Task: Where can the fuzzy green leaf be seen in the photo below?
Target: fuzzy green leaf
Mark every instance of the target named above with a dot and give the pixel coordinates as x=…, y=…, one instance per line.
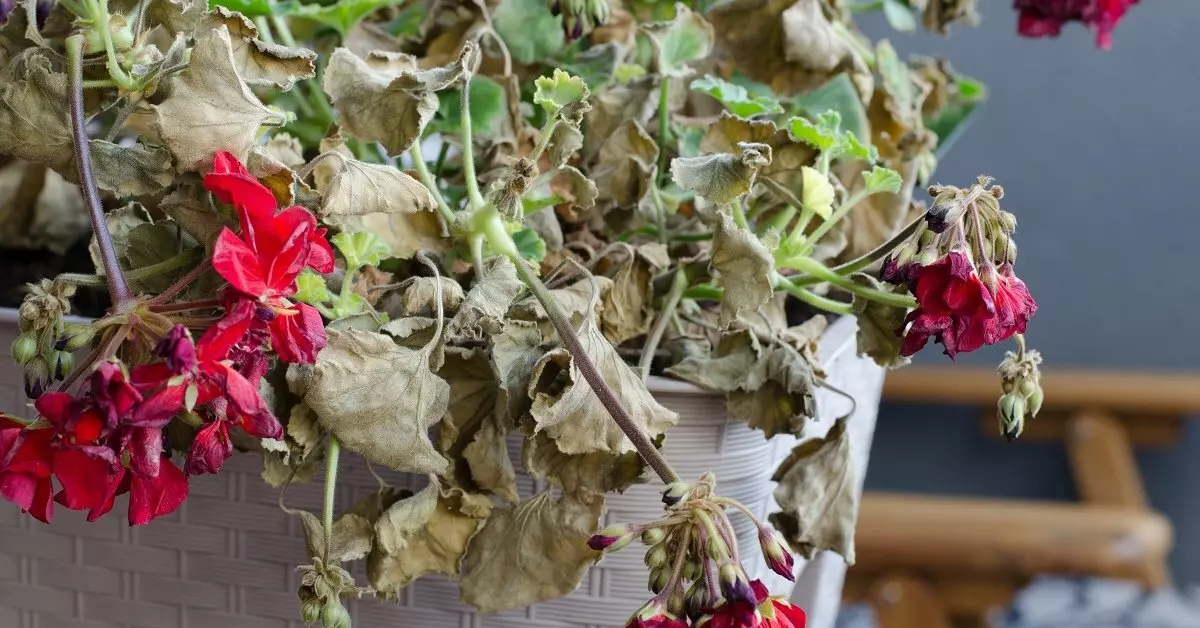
x=487, y=108
x=687, y=38
x=361, y=248
x=311, y=288
x=735, y=97
x=881, y=179
x=900, y=16
x=342, y=15
x=840, y=95
x=557, y=91
x=531, y=32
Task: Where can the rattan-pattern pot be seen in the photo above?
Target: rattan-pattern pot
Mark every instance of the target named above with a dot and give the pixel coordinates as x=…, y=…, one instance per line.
x=227, y=557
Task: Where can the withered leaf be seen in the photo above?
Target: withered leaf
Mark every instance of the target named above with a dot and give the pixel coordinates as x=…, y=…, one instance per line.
x=358, y=188
x=405, y=518
x=199, y=219
x=379, y=399
x=131, y=170
x=746, y=267
x=628, y=306
x=260, y=62
x=879, y=324
x=210, y=108
x=578, y=300
x=516, y=349
x=420, y=297
x=816, y=495
x=596, y=472
x=574, y=416
x=726, y=368
x=386, y=98
x=722, y=177
x=487, y=301
x=616, y=105
x=39, y=209
x=471, y=435
x=303, y=429
x=565, y=142
x=407, y=234
x=626, y=167
x=436, y=548
x=33, y=111
x=350, y=538
x=273, y=173
x=788, y=157
x=578, y=192
x=487, y=458
x=777, y=393
x=175, y=16
x=532, y=552
x=286, y=150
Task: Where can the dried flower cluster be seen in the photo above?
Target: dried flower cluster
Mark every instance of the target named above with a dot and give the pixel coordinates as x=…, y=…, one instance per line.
x=618, y=190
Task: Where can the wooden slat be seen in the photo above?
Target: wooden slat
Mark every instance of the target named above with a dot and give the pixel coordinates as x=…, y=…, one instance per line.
x=1171, y=393
x=905, y=602
x=952, y=535
x=1052, y=426
x=961, y=596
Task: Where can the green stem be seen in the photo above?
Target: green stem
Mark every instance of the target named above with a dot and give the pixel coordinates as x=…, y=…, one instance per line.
x=664, y=319
x=810, y=241
x=704, y=292
x=347, y=285
x=544, y=140
x=118, y=286
x=264, y=29
x=739, y=217
x=468, y=146
x=645, y=447
x=821, y=272
x=664, y=126
x=331, y=473
x=98, y=83
x=779, y=221
x=817, y=301
x=430, y=183
x=98, y=14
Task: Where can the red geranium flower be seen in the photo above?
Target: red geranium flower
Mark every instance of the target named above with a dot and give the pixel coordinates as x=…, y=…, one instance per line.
x=265, y=260
x=654, y=615
x=954, y=306
x=1045, y=18
x=739, y=610
x=25, y=466
x=1014, y=307
x=778, y=612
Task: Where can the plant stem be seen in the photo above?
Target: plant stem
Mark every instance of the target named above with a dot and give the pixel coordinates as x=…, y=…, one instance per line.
x=468, y=148
x=182, y=283
x=811, y=240
x=443, y=152
x=544, y=139
x=817, y=301
x=645, y=447
x=704, y=292
x=819, y=271
x=331, y=473
x=738, y=216
x=187, y=306
x=664, y=319
x=430, y=183
x=881, y=251
x=664, y=126
x=118, y=287
x=98, y=83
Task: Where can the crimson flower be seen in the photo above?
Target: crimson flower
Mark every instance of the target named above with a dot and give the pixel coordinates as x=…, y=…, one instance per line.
x=654, y=615
x=1045, y=18
x=25, y=465
x=954, y=306
x=739, y=610
x=1014, y=307
x=262, y=264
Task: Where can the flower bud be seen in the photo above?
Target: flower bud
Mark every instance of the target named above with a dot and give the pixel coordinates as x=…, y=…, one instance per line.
x=778, y=558
x=74, y=337
x=715, y=548
x=62, y=364
x=24, y=348
x=676, y=602
x=1034, y=401
x=659, y=578
x=736, y=586
x=653, y=536
x=37, y=376
x=310, y=611
x=656, y=556
x=1012, y=415
x=691, y=569
x=698, y=599
x=334, y=615
x=613, y=538
x=1008, y=221
x=676, y=492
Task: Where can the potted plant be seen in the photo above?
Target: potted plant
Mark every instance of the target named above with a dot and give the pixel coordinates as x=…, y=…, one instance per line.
x=460, y=228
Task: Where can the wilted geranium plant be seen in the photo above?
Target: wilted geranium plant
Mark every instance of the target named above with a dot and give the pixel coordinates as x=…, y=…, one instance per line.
x=617, y=191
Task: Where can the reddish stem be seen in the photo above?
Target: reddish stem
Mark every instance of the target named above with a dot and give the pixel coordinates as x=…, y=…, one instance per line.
x=180, y=285
x=185, y=306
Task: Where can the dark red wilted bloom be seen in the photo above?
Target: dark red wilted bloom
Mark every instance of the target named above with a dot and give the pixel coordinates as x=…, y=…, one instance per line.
x=1045, y=18
x=25, y=467
x=954, y=306
x=739, y=612
x=654, y=615
x=264, y=261
x=1014, y=307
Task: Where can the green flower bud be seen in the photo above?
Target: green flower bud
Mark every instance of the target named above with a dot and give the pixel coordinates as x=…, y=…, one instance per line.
x=1008, y=222
x=74, y=337
x=691, y=569
x=24, y=348
x=1012, y=415
x=656, y=556
x=310, y=611
x=659, y=578
x=1034, y=401
x=676, y=492
x=1026, y=387
x=62, y=364
x=37, y=377
x=334, y=615
x=653, y=536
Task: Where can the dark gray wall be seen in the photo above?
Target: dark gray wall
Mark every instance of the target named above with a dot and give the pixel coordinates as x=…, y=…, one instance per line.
x=1095, y=153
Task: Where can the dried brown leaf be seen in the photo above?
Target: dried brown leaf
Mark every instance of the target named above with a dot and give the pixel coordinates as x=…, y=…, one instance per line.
x=879, y=324
x=420, y=297
x=487, y=302
x=39, y=209
x=405, y=518
x=597, y=472
x=131, y=170
x=626, y=166
x=33, y=111
x=472, y=434
x=358, y=188
x=721, y=178
x=516, y=350
x=816, y=495
x=776, y=395
x=726, y=368
x=746, y=267
x=350, y=538
x=628, y=306
x=260, y=62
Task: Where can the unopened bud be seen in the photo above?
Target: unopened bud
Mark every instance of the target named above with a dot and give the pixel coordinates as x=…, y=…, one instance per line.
x=653, y=536
x=656, y=556
x=63, y=362
x=1008, y=221
x=37, y=376
x=691, y=569
x=736, y=586
x=778, y=558
x=612, y=538
x=334, y=615
x=676, y=492
x=24, y=348
x=698, y=599
x=676, y=602
x=1012, y=415
x=30, y=311
x=997, y=192
x=660, y=577
x=1034, y=401
x=310, y=612
x=74, y=337
x=715, y=548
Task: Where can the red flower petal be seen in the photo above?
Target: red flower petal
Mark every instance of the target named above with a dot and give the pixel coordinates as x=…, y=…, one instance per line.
x=242, y=395
x=158, y=410
x=28, y=493
x=145, y=451
x=216, y=343
x=55, y=407
x=320, y=257
x=299, y=337
x=238, y=264
x=234, y=185
x=153, y=497
x=210, y=449
x=85, y=479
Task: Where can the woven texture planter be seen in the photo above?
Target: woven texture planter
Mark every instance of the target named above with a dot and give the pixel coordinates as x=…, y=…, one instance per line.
x=227, y=557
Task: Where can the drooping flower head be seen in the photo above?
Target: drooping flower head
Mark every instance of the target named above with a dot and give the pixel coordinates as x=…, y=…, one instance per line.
x=1045, y=18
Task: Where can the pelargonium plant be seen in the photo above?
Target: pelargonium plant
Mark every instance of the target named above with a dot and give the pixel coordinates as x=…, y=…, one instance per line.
x=611, y=191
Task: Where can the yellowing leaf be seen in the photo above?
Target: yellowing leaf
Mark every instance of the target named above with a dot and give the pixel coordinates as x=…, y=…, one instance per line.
x=260, y=62
x=379, y=399
x=817, y=193
x=210, y=109
x=574, y=416
x=816, y=495
x=405, y=518
x=358, y=188
x=531, y=552
x=746, y=267
x=436, y=548
x=33, y=111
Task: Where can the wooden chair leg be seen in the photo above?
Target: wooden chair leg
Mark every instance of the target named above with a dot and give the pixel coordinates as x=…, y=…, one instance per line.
x=906, y=602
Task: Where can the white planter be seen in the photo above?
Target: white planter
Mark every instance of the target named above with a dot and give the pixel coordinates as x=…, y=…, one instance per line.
x=226, y=558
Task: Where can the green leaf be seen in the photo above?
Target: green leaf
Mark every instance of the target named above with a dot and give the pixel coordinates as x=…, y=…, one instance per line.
x=687, y=38
x=557, y=91
x=361, y=248
x=735, y=97
x=900, y=16
x=822, y=135
x=311, y=288
x=949, y=123
x=341, y=16
x=249, y=8
x=408, y=22
x=628, y=72
x=881, y=179
x=596, y=65
x=838, y=94
x=531, y=32
x=487, y=108
x=530, y=245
